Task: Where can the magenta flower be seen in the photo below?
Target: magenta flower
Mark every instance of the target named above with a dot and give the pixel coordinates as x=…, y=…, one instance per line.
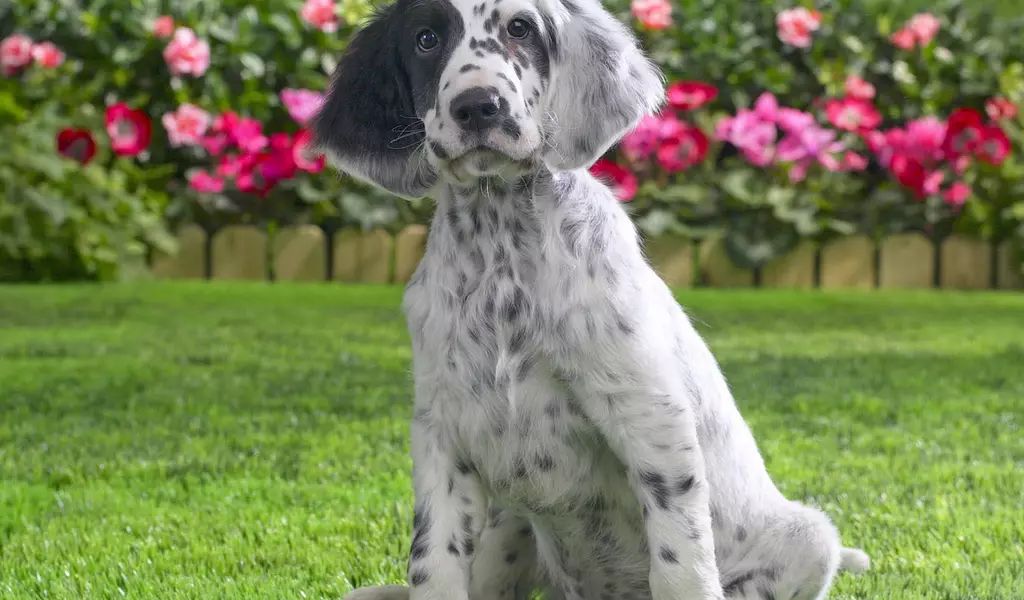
x=301, y=104
x=807, y=147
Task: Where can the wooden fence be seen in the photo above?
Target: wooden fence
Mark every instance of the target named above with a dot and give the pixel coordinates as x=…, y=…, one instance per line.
x=306, y=253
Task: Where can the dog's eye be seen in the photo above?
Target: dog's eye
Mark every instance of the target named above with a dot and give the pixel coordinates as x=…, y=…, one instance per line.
x=427, y=40
x=518, y=28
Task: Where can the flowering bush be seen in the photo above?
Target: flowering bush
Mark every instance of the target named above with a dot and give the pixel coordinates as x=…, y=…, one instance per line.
x=815, y=121
x=785, y=119
x=206, y=103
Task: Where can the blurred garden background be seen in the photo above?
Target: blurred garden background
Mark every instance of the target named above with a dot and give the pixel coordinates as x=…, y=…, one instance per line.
x=789, y=126
x=245, y=439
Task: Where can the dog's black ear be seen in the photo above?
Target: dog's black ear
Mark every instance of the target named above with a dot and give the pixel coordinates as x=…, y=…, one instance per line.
x=367, y=125
x=602, y=83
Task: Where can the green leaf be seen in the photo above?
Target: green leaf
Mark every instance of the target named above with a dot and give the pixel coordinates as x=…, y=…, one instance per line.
x=252, y=64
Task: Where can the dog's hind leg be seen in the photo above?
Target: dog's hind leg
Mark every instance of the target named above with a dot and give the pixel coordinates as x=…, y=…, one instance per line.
x=796, y=556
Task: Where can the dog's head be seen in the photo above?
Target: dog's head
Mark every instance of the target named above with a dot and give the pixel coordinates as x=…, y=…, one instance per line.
x=462, y=89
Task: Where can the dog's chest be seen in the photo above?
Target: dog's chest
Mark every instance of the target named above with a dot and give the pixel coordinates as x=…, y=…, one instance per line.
x=480, y=310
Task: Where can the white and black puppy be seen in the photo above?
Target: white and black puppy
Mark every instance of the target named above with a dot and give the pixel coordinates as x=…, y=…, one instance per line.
x=572, y=432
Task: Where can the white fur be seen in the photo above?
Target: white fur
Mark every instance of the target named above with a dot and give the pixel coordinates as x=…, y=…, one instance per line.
x=560, y=389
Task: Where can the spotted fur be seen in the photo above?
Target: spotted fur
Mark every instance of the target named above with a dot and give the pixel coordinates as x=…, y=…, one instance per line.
x=572, y=433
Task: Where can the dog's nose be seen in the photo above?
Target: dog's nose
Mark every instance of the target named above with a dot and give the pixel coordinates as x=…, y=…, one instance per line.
x=477, y=108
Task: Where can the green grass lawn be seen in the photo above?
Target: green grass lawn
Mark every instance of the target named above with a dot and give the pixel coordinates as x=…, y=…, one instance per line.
x=250, y=441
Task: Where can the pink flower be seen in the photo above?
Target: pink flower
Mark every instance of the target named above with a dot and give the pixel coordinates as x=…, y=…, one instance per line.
x=807, y=147
x=690, y=95
x=76, y=144
x=903, y=39
x=221, y=133
x=163, y=26
x=47, y=55
x=301, y=104
x=767, y=107
x=932, y=182
x=203, y=182
x=320, y=14
x=795, y=26
x=129, y=129
x=853, y=162
x=302, y=153
x=248, y=134
x=1000, y=109
x=186, y=126
x=643, y=140
x=622, y=182
x=957, y=194
x=859, y=89
x=15, y=53
x=689, y=148
x=924, y=26
x=752, y=135
x=851, y=114
x=186, y=54
x=924, y=137
x=791, y=119
x=652, y=14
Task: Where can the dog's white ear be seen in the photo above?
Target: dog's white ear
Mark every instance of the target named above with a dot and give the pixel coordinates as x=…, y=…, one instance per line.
x=367, y=125
x=602, y=83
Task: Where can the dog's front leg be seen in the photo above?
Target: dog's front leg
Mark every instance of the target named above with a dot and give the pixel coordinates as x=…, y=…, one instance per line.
x=633, y=390
x=655, y=437
x=449, y=517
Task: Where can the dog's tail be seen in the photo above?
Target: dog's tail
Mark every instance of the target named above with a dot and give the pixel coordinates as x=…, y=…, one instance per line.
x=854, y=560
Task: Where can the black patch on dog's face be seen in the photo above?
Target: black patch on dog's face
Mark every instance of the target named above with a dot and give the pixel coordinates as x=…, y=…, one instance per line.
x=424, y=68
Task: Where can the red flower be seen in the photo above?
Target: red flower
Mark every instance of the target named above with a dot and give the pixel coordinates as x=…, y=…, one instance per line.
x=904, y=39
x=1000, y=109
x=994, y=146
x=302, y=153
x=963, y=132
x=47, y=55
x=910, y=173
x=248, y=134
x=622, y=182
x=853, y=114
x=76, y=144
x=690, y=95
x=163, y=26
x=129, y=129
x=15, y=53
x=689, y=148
x=203, y=182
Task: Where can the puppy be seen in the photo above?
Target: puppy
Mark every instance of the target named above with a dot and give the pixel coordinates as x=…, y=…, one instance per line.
x=572, y=433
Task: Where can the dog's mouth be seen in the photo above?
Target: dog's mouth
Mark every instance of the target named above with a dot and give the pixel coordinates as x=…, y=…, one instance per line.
x=486, y=161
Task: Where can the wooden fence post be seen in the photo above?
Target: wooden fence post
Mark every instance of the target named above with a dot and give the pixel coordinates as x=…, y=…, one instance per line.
x=848, y=262
x=718, y=270
x=1008, y=274
x=300, y=254
x=240, y=252
x=672, y=258
x=189, y=262
x=792, y=270
x=908, y=261
x=410, y=246
x=966, y=263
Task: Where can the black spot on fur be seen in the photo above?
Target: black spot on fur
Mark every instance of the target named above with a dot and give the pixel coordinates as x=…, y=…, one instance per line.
x=741, y=533
x=668, y=555
x=512, y=557
x=655, y=483
x=438, y=150
x=462, y=467
x=544, y=462
x=466, y=68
